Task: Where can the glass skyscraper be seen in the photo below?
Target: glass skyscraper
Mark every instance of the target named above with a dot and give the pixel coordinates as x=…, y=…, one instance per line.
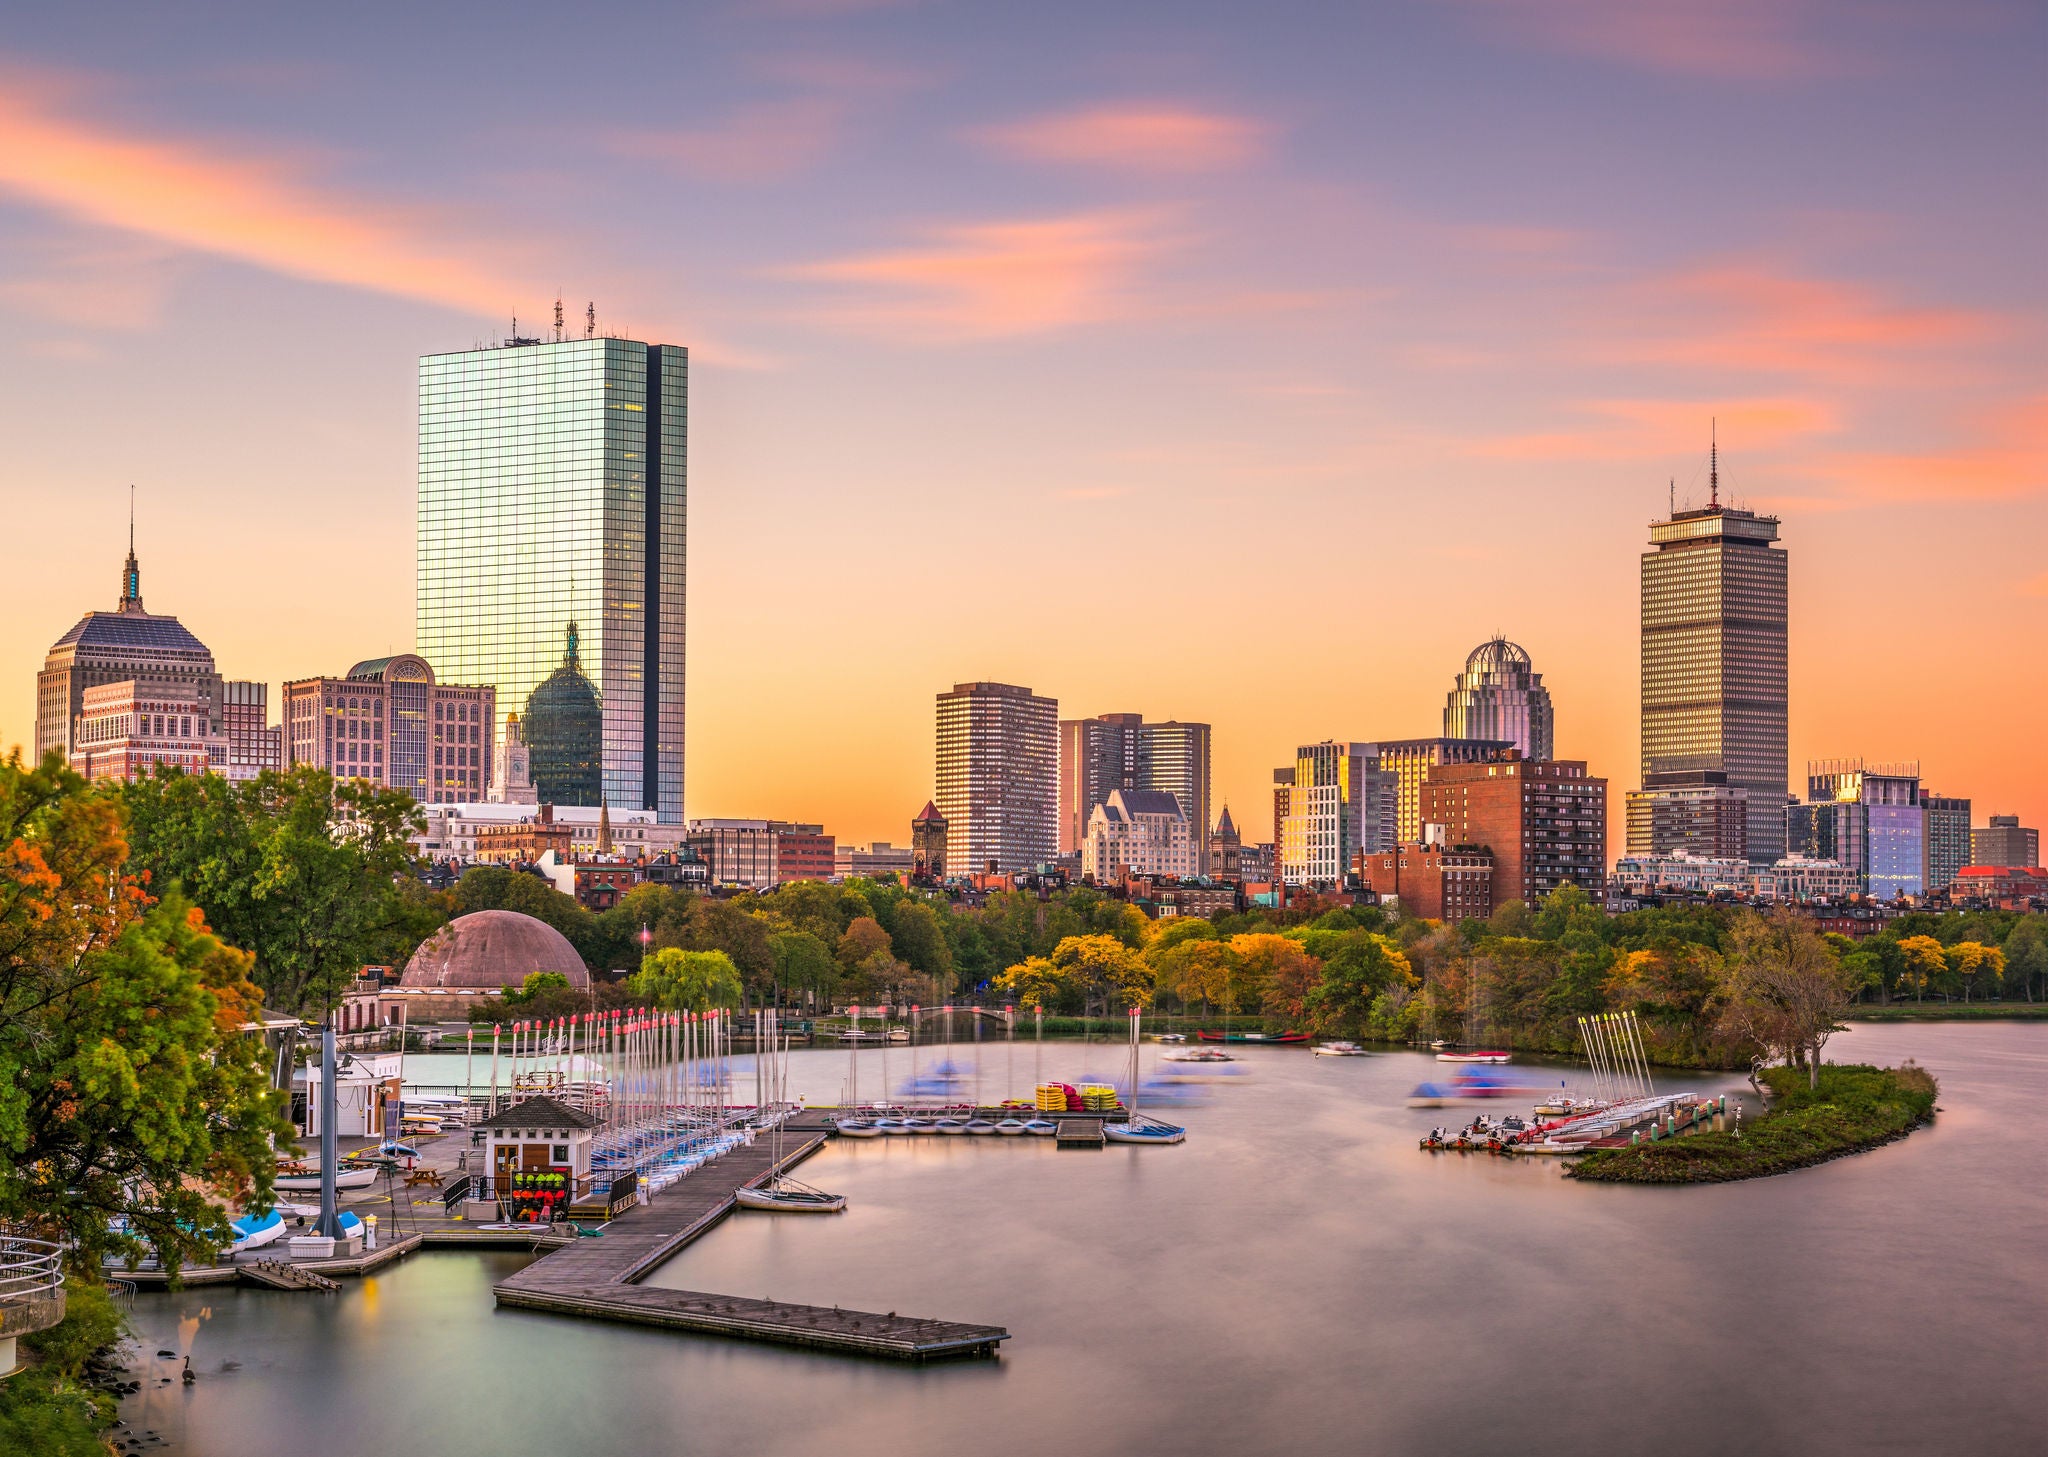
x=552, y=491
x=1714, y=682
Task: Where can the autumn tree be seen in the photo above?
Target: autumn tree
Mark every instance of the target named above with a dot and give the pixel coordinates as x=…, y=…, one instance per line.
x=1786, y=988
x=129, y=1088
x=1109, y=974
x=1923, y=962
x=1036, y=983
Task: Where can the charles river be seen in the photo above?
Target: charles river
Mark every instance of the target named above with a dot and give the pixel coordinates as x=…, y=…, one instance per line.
x=1296, y=1278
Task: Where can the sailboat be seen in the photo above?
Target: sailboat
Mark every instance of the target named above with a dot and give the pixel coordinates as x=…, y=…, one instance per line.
x=1133, y=1130
x=777, y=1192
x=855, y=1126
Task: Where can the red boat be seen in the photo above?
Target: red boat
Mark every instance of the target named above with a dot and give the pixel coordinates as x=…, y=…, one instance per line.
x=1252, y=1036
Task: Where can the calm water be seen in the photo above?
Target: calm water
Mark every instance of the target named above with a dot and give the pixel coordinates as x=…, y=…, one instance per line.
x=1296, y=1278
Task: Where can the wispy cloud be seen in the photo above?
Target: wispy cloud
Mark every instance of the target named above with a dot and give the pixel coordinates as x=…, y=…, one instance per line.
x=90, y=278
x=765, y=142
x=984, y=280
x=261, y=209
x=1723, y=40
x=2007, y=460
x=1134, y=138
x=1757, y=319
x=1649, y=429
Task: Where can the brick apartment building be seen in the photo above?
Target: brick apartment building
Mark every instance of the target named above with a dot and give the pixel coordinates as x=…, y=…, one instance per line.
x=1435, y=882
x=1544, y=820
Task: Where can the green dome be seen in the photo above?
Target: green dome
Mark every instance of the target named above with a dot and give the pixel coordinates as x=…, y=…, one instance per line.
x=564, y=730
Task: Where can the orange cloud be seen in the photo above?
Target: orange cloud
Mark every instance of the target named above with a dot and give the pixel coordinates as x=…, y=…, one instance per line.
x=754, y=144
x=1133, y=138
x=2009, y=463
x=257, y=210
x=984, y=280
x=1749, y=318
x=1637, y=429
x=1728, y=39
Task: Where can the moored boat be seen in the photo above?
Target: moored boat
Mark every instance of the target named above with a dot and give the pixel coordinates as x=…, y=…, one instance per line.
x=1010, y=1127
x=253, y=1231
x=308, y=1180
x=1143, y=1130
x=955, y=1126
x=979, y=1127
x=1483, y=1055
x=1198, y=1054
x=1207, y=1035
x=919, y=1125
x=857, y=1128
x=1339, y=1049
x=787, y=1196
x=1042, y=1127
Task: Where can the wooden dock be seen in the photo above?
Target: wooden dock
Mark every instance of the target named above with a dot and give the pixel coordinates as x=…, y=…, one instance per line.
x=1081, y=1133
x=278, y=1275
x=597, y=1277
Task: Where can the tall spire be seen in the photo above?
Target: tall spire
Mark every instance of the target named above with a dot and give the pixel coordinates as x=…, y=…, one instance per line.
x=1714, y=461
x=131, y=574
x=569, y=657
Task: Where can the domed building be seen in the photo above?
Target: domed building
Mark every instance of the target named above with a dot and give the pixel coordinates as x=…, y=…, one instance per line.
x=564, y=733
x=489, y=951
x=1498, y=696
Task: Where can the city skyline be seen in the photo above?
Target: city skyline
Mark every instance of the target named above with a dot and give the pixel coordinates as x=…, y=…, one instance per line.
x=1194, y=299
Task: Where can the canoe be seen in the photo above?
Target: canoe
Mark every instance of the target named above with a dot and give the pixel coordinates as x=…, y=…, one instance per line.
x=1285, y=1037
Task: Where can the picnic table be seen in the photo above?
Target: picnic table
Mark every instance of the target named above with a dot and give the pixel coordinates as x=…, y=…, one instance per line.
x=417, y=1177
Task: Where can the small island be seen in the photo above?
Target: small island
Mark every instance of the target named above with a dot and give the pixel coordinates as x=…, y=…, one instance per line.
x=1846, y=1109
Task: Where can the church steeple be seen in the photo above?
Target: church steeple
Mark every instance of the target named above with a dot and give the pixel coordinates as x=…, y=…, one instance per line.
x=131, y=574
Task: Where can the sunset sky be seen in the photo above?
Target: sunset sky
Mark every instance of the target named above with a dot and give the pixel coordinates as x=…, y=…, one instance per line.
x=1245, y=363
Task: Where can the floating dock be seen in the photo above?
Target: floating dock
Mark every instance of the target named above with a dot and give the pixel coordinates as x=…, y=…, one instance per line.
x=598, y=1277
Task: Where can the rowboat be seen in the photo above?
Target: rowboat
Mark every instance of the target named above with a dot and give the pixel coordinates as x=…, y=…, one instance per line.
x=1482, y=1056
x=1010, y=1127
x=1042, y=1127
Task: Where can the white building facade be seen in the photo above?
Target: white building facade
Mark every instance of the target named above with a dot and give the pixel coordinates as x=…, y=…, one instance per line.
x=1143, y=831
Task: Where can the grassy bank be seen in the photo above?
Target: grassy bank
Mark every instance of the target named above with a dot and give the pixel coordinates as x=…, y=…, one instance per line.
x=1854, y=1108
x=1949, y=1012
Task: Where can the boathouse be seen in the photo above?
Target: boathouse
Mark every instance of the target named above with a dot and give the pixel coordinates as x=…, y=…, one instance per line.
x=537, y=1158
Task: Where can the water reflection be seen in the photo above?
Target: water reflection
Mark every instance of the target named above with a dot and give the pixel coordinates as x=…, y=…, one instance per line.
x=1297, y=1277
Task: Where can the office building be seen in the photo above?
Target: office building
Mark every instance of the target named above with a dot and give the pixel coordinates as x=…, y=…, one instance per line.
x=1335, y=803
x=1141, y=832
x=126, y=729
x=928, y=843
x=1868, y=817
x=254, y=744
x=156, y=653
x=1545, y=822
x=998, y=777
x=1694, y=812
x=1122, y=751
x=494, y=832
x=552, y=492
x=1713, y=660
x=1412, y=759
x=803, y=852
x=1947, y=841
x=1499, y=697
x=391, y=722
x=2004, y=841
x=873, y=862
x=1448, y=883
x=740, y=853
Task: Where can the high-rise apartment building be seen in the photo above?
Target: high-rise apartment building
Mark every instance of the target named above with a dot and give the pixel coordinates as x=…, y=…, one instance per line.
x=1948, y=839
x=125, y=645
x=390, y=722
x=254, y=744
x=998, y=777
x=2005, y=841
x=551, y=492
x=1713, y=660
x=1412, y=759
x=1501, y=697
x=1545, y=822
x=1121, y=751
x=1693, y=813
x=1335, y=803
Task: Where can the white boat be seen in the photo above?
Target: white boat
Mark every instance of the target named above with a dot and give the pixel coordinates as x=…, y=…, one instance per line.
x=253, y=1231
x=1010, y=1127
x=857, y=1128
x=1173, y=1037
x=1042, y=1127
x=890, y=1125
x=979, y=1127
x=1339, y=1049
x=1135, y=1129
x=951, y=1125
x=1198, y=1054
x=787, y=1196
x=919, y=1125
x=343, y=1179
x=1481, y=1056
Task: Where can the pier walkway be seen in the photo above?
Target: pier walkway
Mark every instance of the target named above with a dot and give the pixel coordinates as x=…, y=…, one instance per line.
x=596, y=1277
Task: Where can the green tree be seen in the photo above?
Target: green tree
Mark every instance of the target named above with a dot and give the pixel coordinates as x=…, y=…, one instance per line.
x=917, y=936
x=803, y=964
x=675, y=980
x=2026, y=955
x=538, y=984
x=293, y=867
x=129, y=1088
x=863, y=937
x=1357, y=973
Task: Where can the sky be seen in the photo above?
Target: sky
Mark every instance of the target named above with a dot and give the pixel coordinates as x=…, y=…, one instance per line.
x=1246, y=364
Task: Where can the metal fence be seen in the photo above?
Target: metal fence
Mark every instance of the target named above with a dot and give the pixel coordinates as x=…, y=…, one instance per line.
x=31, y=1285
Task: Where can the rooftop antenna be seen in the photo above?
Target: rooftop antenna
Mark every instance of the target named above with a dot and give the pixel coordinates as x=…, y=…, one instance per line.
x=558, y=318
x=131, y=518
x=590, y=320
x=1674, y=495
x=1714, y=461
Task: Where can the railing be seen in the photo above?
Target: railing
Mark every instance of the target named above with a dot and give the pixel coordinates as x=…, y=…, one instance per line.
x=31, y=1285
